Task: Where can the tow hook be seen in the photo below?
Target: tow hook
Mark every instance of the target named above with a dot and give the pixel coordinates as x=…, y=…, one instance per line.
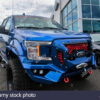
x=66, y=80
x=90, y=72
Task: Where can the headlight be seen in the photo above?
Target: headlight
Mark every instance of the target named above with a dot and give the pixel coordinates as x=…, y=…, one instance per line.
x=33, y=50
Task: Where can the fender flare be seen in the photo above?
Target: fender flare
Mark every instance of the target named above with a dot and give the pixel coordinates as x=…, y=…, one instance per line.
x=12, y=49
x=15, y=47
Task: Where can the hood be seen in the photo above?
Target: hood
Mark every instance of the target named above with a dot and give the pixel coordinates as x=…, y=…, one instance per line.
x=47, y=35
x=95, y=37
x=96, y=46
x=96, y=41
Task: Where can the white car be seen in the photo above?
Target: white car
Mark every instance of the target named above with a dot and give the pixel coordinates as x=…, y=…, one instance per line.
x=96, y=47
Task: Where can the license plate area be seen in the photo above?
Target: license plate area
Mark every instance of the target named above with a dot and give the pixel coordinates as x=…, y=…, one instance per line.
x=84, y=73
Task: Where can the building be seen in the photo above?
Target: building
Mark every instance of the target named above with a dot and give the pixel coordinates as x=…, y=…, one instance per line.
x=78, y=15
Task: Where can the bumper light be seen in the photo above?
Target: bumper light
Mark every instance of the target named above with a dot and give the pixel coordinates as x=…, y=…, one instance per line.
x=40, y=72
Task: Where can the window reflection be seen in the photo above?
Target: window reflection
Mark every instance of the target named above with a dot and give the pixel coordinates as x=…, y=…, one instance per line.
x=75, y=26
x=87, y=26
x=65, y=21
x=69, y=7
x=65, y=12
x=86, y=11
x=70, y=15
x=94, y=2
x=74, y=14
x=96, y=26
x=69, y=18
x=74, y=3
x=70, y=28
x=95, y=11
x=85, y=1
x=91, y=11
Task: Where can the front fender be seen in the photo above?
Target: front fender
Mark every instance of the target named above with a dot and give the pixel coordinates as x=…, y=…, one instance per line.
x=15, y=47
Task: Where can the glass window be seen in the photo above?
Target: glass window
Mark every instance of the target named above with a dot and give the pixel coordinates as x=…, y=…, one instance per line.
x=70, y=18
x=95, y=2
x=31, y=22
x=61, y=18
x=75, y=26
x=75, y=14
x=70, y=28
x=74, y=3
x=65, y=12
x=4, y=22
x=85, y=1
x=8, y=24
x=65, y=21
x=96, y=25
x=87, y=26
x=69, y=7
x=95, y=11
x=86, y=11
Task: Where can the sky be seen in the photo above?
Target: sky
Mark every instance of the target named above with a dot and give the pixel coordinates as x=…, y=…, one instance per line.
x=29, y=7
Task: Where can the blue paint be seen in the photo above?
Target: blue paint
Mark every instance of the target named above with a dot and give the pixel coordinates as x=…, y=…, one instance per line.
x=15, y=43
x=53, y=76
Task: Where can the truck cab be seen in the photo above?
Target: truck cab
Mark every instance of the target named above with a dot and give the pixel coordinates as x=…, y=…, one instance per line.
x=38, y=49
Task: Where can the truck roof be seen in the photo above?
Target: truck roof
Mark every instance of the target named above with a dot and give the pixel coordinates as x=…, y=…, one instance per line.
x=29, y=16
x=26, y=16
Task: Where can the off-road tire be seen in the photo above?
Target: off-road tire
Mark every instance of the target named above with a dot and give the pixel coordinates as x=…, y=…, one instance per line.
x=17, y=79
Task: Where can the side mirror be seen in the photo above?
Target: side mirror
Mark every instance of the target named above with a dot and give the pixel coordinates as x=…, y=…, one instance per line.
x=2, y=30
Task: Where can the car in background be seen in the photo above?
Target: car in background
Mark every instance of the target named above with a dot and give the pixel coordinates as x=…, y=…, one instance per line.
x=96, y=47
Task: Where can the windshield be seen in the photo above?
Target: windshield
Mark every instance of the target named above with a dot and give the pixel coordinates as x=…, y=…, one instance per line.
x=36, y=23
x=95, y=37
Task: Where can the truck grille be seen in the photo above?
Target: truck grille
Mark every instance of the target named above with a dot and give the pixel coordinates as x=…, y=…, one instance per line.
x=77, y=47
x=74, y=51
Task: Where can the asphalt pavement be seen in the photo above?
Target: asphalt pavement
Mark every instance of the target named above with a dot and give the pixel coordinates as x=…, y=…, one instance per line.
x=92, y=83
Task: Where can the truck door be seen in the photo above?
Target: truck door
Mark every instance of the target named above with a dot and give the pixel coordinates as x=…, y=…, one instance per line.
x=7, y=24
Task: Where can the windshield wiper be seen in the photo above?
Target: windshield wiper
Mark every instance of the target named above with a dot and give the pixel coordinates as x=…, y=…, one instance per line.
x=39, y=27
x=51, y=28
x=28, y=27
x=55, y=28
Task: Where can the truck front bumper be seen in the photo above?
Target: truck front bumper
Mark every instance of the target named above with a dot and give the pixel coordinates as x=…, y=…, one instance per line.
x=54, y=73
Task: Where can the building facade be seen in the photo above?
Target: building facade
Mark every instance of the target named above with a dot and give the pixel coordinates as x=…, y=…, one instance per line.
x=78, y=15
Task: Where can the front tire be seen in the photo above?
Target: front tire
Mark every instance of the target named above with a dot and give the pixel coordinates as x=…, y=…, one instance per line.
x=17, y=79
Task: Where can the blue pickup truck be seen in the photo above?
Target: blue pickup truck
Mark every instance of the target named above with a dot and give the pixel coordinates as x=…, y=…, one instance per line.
x=39, y=50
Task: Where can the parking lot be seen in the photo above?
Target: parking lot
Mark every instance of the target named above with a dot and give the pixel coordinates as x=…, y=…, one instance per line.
x=92, y=83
